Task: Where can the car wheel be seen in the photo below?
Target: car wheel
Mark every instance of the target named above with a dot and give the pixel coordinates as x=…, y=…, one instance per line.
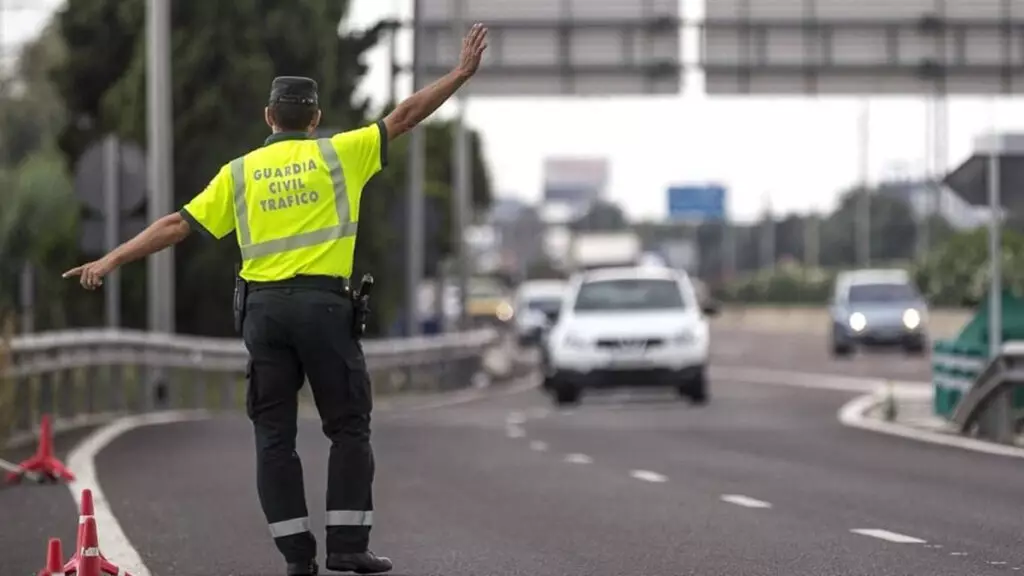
x=567, y=395
x=915, y=349
x=840, y=350
x=695, y=389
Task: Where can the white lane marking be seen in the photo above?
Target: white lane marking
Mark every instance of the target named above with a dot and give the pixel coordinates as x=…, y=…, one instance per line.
x=648, y=476
x=958, y=553
x=578, y=459
x=888, y=536
x=514, y=432
x=995, y=563
x=515, y=418
x=538, y=446
x=567, y=412
x=745, y=501
x=855, y=415
x=82, y=461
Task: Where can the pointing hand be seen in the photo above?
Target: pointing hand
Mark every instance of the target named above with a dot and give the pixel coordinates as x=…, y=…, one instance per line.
x=91, y=274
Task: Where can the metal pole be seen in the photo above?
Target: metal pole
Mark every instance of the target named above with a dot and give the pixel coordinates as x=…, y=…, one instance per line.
x=768, y=235
x=112, y=220
x=414, y=198
x=160, y=267
x=463, y=183
x=995, y=309
x=864, y=201
x=931, y=178
x=28, y=298
x=461, y=206
x=941, y=152
x=811, y=240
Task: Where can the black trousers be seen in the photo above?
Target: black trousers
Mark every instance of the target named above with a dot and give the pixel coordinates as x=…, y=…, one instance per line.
x=294, y=334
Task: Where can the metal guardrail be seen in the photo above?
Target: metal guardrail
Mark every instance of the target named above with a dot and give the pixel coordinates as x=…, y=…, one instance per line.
x=89, y=374
x=987, y=407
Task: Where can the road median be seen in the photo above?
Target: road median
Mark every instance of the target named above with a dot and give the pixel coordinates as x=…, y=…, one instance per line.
x=814, y=320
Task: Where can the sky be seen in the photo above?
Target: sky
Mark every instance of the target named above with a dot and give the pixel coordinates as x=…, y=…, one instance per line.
x=795, y=155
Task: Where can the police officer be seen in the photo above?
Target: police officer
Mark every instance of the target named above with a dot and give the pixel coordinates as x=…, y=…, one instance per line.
x=294, y=207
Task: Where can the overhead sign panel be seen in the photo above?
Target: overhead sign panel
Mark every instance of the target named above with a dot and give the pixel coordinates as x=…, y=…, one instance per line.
x=847, y=47
x=696, y=203
x=575, y=181
x=561, y=47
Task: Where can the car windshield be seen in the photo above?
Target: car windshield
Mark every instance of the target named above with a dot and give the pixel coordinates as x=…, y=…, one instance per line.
x=545, y=305
x=483, y=290
x=880, y=293
x=639, y=294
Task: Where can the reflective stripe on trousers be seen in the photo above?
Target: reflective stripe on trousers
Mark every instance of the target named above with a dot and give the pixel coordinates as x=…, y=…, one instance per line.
x=289, y=527
x=345, y=228
x=350, y=517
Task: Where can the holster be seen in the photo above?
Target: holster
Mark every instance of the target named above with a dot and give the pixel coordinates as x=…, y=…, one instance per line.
x=238, y=301
x=360, y=313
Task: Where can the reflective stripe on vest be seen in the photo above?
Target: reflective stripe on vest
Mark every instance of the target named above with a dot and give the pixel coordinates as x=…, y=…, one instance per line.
x=345, y=228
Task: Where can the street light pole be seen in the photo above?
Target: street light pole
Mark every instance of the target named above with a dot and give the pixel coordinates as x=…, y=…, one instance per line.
x=160, y=266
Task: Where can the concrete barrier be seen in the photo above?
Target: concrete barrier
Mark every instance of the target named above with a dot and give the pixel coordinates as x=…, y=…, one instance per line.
x=815, y=320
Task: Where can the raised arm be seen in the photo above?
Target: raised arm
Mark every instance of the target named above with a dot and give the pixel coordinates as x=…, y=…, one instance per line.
x=423, y=103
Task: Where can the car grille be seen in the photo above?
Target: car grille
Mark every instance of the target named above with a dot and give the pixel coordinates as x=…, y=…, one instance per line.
x=618, y=343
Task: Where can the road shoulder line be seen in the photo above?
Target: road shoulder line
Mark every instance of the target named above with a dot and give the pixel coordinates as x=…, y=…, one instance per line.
x=82, y=460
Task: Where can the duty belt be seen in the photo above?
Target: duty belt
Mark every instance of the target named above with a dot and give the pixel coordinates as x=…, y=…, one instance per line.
x=329, y=283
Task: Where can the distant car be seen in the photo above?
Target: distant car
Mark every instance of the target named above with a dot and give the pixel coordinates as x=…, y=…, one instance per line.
x=877, y=308
x=536, y=307
x=628, y=327
x=488, y=302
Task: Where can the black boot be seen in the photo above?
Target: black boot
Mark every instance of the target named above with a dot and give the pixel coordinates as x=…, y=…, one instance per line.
x=303, y=568
x=359, y=562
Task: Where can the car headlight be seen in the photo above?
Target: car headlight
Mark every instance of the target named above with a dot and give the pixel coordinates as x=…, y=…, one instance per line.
x=504, y=312
x=911, y=318
x=858, y=321
x=574, y=341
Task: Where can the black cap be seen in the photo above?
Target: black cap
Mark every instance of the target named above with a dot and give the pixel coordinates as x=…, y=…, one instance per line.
x=294, y=90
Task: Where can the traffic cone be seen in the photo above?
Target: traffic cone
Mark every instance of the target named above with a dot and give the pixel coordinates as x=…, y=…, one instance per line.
x=43, y=464
x=54, y=559
x=90, y=563
x=75, y=564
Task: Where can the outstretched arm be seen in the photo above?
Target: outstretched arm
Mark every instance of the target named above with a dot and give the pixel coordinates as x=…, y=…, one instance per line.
x=165, y=232
x=424, y=102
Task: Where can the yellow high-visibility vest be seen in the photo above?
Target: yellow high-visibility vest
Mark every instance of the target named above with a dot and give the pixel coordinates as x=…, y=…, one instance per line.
x=294, y=203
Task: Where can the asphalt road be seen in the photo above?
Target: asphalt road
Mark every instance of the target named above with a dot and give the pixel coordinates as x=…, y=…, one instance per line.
x=762, y=481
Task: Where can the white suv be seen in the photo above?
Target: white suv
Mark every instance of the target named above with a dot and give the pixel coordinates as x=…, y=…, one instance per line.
x=628, y=327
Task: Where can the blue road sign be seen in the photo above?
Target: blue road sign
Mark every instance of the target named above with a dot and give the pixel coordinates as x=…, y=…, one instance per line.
x=700, y=203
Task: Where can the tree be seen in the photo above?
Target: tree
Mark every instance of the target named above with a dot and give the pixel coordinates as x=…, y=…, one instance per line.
x=224, y=57
x=38, y=222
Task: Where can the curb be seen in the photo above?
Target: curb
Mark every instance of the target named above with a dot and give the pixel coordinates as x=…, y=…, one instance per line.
x=856, y=414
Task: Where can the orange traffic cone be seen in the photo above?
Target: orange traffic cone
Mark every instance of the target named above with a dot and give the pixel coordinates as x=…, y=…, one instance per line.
x=43, y=465
x=54, y=559
x=75, y=564
x=89, y=561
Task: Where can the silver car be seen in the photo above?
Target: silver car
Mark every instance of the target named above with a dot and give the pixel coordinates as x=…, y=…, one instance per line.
x=877, y=308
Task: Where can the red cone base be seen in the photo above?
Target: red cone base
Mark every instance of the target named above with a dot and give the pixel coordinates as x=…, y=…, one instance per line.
x=81, y=560
x=54, y=559
x=43, y=463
